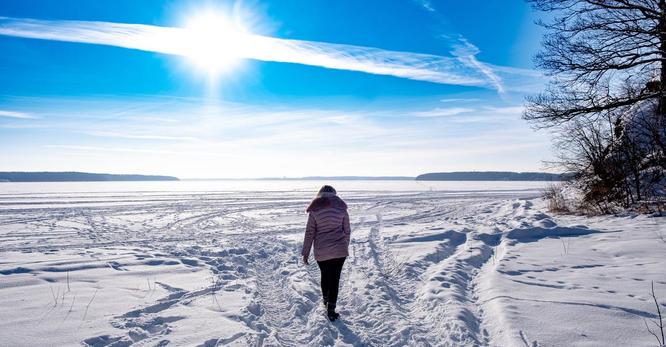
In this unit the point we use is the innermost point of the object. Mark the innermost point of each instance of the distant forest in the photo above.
(437, 176)
(76, 177)
(447, 176)
(343, 178)
(492, 176)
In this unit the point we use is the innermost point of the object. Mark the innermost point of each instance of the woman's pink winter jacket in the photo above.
(328, 228)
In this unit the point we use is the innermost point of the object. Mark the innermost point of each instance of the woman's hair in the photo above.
(327, 189)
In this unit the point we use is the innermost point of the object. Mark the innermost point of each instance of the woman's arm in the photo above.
(346, 228)
(310, 231)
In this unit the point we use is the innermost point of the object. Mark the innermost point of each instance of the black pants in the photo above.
(330, 279)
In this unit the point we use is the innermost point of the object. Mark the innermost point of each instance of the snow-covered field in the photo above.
(217, 263)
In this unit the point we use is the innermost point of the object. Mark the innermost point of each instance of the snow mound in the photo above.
(464, 268)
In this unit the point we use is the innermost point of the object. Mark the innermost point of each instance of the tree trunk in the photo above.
(662, 48)
(637, 183)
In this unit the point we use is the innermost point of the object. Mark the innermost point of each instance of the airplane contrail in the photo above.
(178, 41)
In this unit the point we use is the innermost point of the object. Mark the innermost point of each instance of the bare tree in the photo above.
(593, 48)
(606, 99)
(586, 149)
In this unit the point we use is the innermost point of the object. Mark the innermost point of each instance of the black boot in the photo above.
(332, 315)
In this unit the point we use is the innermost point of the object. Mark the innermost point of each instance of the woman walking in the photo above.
(328, 229)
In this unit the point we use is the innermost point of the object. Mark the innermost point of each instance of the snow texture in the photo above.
(120, 266)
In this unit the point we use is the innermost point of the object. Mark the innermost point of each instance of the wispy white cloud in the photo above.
(141, 136)
(480, 114)
(426, 4)
(246, 140)
(442, 112)
(471, 149)
(459, 100)
(15, 114)
(116, 149)
(505, 110)
(463, 68)
(466, 53)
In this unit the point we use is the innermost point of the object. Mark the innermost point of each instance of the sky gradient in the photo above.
(268, 89)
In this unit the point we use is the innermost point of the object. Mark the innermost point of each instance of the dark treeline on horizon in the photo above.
(76, 177)
(435, 176)
(491, 176)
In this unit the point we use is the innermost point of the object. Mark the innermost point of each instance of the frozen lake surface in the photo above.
(306, 186)
(205, 263)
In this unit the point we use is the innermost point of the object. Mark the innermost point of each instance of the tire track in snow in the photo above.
(381, 303)
(387, 297)
(286, 307)
(391, 309)
(449, 299)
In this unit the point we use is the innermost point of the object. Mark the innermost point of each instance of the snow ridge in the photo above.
(211, 269)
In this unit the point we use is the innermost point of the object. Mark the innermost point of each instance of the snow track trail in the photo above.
(426, 268)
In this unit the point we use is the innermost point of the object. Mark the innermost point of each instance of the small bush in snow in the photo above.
(556, 201)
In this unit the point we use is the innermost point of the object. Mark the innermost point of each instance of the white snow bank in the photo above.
(438, 268)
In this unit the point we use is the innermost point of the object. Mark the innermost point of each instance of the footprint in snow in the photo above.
(116, 266)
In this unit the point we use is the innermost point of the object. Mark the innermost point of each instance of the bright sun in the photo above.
(215, 42)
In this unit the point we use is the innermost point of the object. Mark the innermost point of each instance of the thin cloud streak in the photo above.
(461, 69)
(242, 140)
(15, 114)
(482, 114)
(459, 100)
(84, 148)
(442, 112)
(426, 5)
(142, 136)
(466, 53)
(506, 110)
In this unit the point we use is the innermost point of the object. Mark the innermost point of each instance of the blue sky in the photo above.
(268, 88)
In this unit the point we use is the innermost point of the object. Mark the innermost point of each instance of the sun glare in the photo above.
(215, 42)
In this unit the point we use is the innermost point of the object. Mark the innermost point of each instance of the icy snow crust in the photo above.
(430, 265)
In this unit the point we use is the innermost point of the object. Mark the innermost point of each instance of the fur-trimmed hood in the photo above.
(324, 200)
